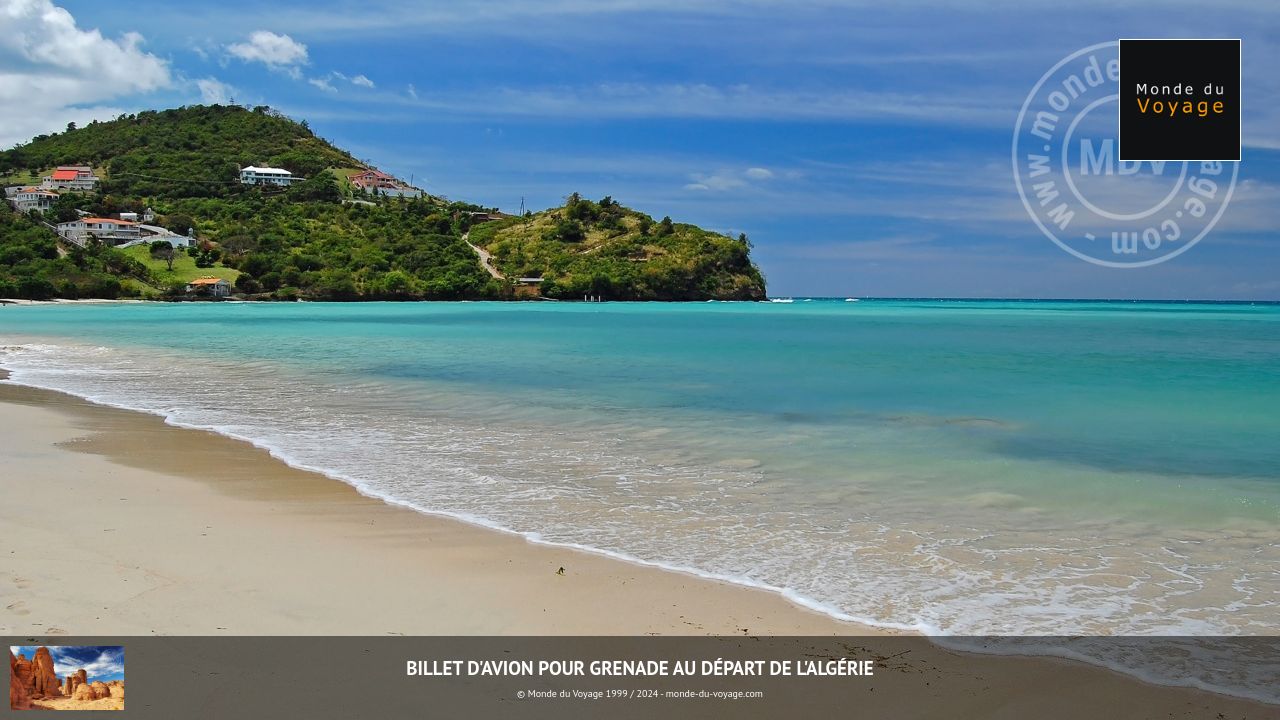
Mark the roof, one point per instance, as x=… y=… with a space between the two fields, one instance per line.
x=64 y=174
x=208 y=281
x=106 y=220
x=266 y=170
x=77 y=168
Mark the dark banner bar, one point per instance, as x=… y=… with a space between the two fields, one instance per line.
x=560 y=677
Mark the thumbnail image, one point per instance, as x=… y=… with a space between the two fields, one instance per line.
x=70 y=677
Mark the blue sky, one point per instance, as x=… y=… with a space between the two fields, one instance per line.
x=100 y=662
x=863 y=148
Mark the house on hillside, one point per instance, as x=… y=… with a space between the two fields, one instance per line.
x=267 y=176
x=32 y=198
x=153 y=233
x=70 y=177
x=209 y=287
x=528 y=287
x=371 y=179
x=110 y=231
x=479 y=217
x=379 y=183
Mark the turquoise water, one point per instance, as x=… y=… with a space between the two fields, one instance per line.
x=948 y=466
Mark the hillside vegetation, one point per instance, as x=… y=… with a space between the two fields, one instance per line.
x=604 y=249
x=318 y=240
x=187 y=152
x=32 y=265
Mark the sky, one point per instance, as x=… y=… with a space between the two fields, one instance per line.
x=864 y=147
x=102 y=663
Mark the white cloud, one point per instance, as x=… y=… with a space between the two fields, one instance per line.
x=324 y=84
x=723 y=180
x=278 y=52
x=107 y=664
x=413 y=91
x=52 y=72
x=215 y=92
x=984 y=106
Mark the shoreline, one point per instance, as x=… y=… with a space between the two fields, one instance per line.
x=172 y=530
x=193 y=463
x=22 y=302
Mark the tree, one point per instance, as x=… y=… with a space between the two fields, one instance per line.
x=569 y=231
x=64 y=209
x=320 y=188
x=36 y=288
x=666 y=227
x=163 y=250
x=246 y=284
x=179 y=223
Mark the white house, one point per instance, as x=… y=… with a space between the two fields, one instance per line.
x=153 y=233
x=71 y=177
x=108 y=230
x=266 y=176
x=32 y=198
x=211 y=286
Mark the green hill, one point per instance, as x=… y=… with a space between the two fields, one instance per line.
x=602 y=248
x=186 y=152
x=316 y=239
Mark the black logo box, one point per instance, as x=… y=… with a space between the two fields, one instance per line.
x=1186 y=67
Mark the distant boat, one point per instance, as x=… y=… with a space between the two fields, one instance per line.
x=781 y=300
x=851 y=299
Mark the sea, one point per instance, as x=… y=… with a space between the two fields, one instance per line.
x=959 y=468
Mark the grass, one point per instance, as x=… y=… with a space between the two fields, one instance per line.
x=343 y=176
x=184 y=267
x=29 y=177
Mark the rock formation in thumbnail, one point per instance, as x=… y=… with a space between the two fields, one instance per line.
x=43 y=678
x=22 y=671
x=18 y=698
x=75 y=680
